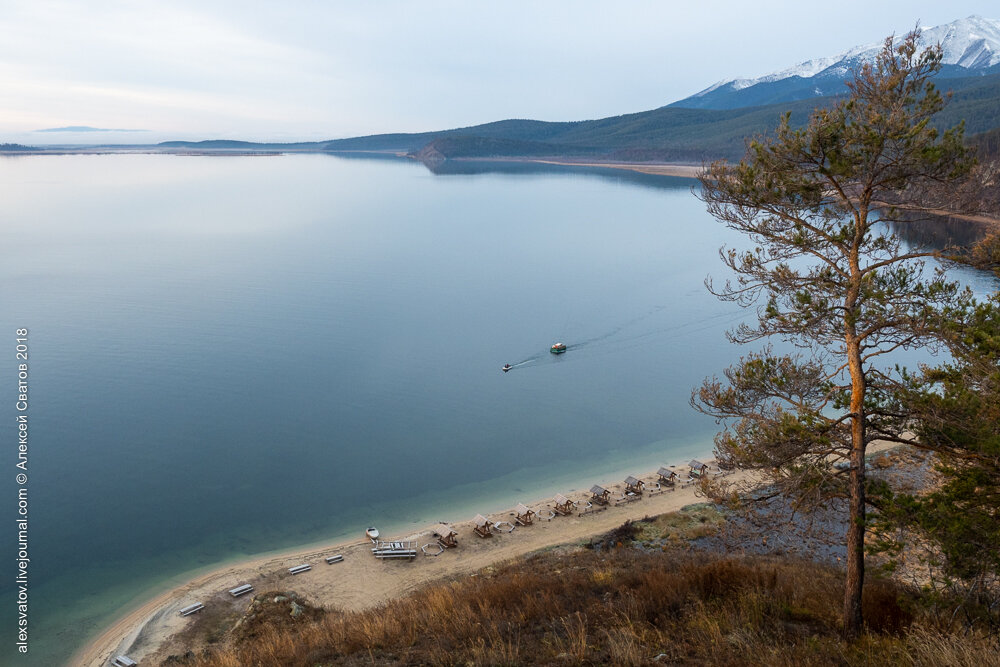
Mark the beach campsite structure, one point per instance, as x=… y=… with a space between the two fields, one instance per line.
x=482 y=526
x=698 y=469
x=563 y=505
x=524 y=515
x=123 y=661
x=446 y=536
x=667 y=476
x=634 y=485
x=599 y=494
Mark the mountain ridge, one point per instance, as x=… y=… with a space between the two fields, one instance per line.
x=970 y=46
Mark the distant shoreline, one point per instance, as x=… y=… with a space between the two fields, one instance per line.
x=678 y=170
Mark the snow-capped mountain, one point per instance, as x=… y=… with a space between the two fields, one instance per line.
x=970 y=46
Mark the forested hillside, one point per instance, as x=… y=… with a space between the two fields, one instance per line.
x=665 y=134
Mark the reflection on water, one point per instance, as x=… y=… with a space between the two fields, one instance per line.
x=937 y=232
x=519 y=168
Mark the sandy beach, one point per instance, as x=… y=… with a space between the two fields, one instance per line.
x=677 y=170
x=360 y=580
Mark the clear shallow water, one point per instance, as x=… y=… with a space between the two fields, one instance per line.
x=231 y=355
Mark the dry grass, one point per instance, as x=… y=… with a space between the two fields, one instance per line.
x=617 y=607
x=689 y=523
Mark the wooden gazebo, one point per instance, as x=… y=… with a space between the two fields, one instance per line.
x=667 y=476
x=697 y=468
x=634 y=485
x=599 y=494
x=563 y=505
x=524 y=515
x=482 y=526
x=446 y=537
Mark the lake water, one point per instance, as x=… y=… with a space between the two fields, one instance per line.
x=231 y=355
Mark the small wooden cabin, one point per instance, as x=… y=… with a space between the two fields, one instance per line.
x=524 y=515
x=634 y=485
x=446 y=537
x=600 y=495
x=563 y=505
x=482 y=526
x=667 y=476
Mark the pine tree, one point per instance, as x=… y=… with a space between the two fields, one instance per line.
x=828 y=276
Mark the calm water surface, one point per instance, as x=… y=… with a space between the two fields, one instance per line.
x=231 y=355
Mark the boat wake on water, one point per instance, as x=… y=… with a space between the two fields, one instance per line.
x=612 y=337
x=523 y=362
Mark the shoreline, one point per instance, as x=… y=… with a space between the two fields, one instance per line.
x=654 y=168
x=679 y=170
x=361 y=581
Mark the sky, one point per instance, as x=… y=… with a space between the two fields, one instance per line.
x=322 y=69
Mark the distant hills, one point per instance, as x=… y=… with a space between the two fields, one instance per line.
x=85 y=128
x=668 y=134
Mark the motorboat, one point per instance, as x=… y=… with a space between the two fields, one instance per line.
x=372 y=534
x=506 y=367
x=558 y=348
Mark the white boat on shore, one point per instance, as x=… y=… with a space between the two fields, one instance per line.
x=372 y=534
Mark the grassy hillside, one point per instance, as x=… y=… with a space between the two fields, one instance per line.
x=620 y=606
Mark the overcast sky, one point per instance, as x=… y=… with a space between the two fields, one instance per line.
x=314 y=69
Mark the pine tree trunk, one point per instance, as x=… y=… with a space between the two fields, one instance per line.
x=854 y=584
